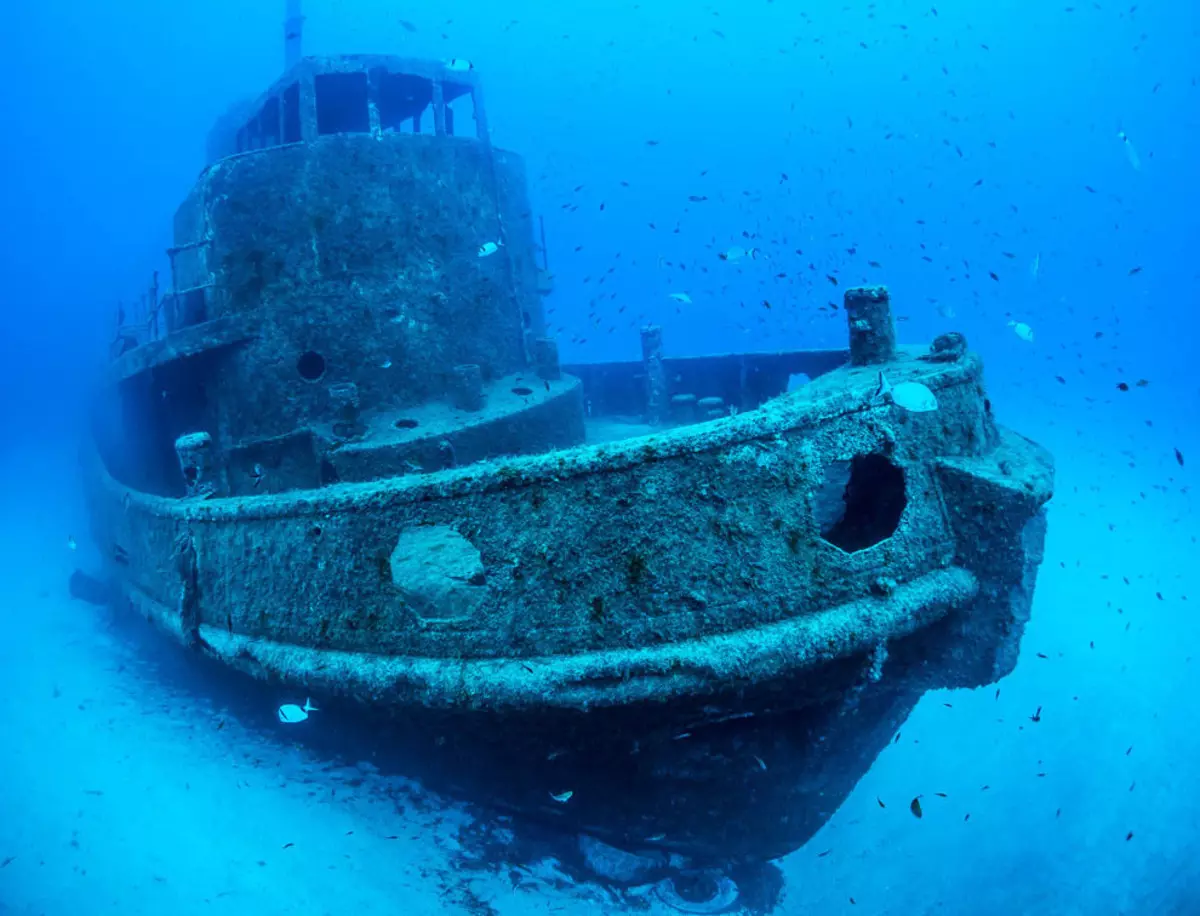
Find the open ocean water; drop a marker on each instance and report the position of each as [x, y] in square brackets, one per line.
[1023, 173]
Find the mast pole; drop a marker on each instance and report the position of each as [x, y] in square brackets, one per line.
[293, 33]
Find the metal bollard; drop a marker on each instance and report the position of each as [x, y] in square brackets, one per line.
[872, 332]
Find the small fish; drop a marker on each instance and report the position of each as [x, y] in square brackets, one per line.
[386, 364]
[407, 26]
[1179, 457]
[915, 807]
[680, 297]
[458, 65]
[288, 845]
[1134, 271]
[7, 860]
[1037, 716]
[1022, 330]
[736, 254]
[290, 713]
[489, 248]
[1036, 266]
[1130, 152]
[71, 545]
[562, 797]
[883, 390]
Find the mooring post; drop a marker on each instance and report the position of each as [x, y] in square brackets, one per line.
[467, 385]
[347, 420]
[545, 359]
[872, 332]
[197, 463]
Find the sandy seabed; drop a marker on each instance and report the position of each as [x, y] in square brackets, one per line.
[120, 792]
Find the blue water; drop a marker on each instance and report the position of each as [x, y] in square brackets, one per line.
[944, 145]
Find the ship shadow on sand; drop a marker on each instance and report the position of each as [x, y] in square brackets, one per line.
[695, 817]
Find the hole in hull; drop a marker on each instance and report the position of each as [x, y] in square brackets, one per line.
[311, 366]
[860, 502]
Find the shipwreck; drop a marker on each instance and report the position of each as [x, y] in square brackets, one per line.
[341, 453]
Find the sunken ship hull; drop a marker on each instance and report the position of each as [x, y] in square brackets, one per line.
[350, 461]
[663, 568]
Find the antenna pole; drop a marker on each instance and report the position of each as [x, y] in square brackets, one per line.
[293, 33]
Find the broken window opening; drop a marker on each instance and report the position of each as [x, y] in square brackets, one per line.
[191, 307]
[860, 502]
[460, 110]
[403, 100]
[268, 123]
[342, 103]
[291, 114]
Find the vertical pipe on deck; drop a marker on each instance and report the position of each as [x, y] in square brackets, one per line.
[293, 34]
[374, 93]
[872, 330]
[154, 306]
[656, 375]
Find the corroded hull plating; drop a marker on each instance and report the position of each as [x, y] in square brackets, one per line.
[669, 567]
